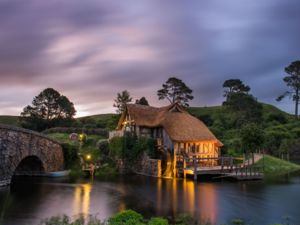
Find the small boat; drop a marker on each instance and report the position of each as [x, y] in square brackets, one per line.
[62, 173]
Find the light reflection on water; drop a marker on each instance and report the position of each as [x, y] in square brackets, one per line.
[33, 199]
[81, 202]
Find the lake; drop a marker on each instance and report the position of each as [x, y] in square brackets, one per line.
[29, 200]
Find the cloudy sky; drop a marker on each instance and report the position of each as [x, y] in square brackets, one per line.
[90, 50]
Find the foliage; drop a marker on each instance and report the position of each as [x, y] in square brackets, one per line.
[244, 108]
[131, 147]
[175, 90]
[279, 117]
[142, 101]
[274, 166]
[48, 109]
[106, 171]
[127, 217]
[252, 137]
[130, 217]
[240, 103]
[235, 86]
[122, 99]
[65, 220]
[292, 80]
[116, 147]
[151, 148]
[207, 119]
[70, 155]
[289, 146]
[103, 147]
[158, 221]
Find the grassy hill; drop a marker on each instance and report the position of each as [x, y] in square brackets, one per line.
[10, 120]
[109, 120]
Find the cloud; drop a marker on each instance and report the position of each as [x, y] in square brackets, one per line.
[91, 50]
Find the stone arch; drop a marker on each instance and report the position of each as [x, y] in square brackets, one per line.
[16, 144]
[30, 166]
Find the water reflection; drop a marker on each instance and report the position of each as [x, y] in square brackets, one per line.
[217, 202]
[174, 197]
[82, 198]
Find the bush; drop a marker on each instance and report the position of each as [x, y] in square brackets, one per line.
[70, 155]
[205, 118]
[136, 147]
[116, 147]
[158, 221]
[127, 217]
[279, 117]
[103, 147]
[106, 171]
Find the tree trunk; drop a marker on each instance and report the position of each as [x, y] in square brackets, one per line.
[296, 103]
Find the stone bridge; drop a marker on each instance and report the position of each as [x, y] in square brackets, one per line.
[25, 152]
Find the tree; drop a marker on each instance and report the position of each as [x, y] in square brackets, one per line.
[243, 106]
[48, 109]
[122, 99]
[235, 86]
[292, 80]
[175, 90]
[142, 101]
[252, 138]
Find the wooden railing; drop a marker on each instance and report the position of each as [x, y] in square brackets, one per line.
[223, 164]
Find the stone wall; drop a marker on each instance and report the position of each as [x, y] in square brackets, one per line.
[16, 144]
[143, 166]
[148, 167]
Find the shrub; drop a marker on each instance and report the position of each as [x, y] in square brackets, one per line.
[106, 171]
[158, 221]
[103, 147]
[206, 118]
[279, 117]
[127, 217]
[70, 155]
[116, 147]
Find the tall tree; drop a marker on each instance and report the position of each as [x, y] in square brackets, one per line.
[252, 137]
[175, 90]
[292, 80]
[242, 106]
[142, 101]
[235, 86]
[122, 99]
[48, 109]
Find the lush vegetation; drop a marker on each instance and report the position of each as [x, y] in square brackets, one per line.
[131, 147]
[275, 166]
[275, 127]
[48, 109]
[130, 217]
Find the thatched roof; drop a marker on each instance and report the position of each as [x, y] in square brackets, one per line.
[178, 123]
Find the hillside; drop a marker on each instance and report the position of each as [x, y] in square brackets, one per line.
[10, 120]
[109, 119]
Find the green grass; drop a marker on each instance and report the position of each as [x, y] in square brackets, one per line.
[274, 166]
[10, 120]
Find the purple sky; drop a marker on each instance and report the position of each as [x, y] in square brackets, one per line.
[90, 50]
